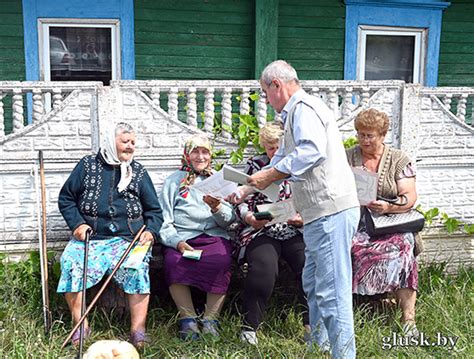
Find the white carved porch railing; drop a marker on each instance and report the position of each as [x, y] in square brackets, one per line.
[175, 97]
[193, 102]
[458, 100]
[45, 97]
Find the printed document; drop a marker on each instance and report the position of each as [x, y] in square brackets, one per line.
[216, 185]
[281, 211]
[366, 183]
[231, 174]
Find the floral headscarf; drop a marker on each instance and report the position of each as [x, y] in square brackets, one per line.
[192, 143]
[108, 151]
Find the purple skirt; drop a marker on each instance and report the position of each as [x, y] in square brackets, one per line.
[211, 273]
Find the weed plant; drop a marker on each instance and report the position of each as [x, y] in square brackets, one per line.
[444, 305]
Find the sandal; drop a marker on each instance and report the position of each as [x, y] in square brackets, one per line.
[188, 329]
[210, 326]
[139, 339]
[76, 337]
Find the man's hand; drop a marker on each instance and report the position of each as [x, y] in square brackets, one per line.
[145, 237]
[183, 246]
[296, 221]
[255, 223]
[262, 179]
[80, 232]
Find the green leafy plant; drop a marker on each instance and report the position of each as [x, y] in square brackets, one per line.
[244, 129]
[350, 142]
[245, 132]
[430, 214]
[469, 228]
[451, 224]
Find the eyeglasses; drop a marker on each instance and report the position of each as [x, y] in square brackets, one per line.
[368, 137]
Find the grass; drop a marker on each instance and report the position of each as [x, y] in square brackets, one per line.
[445, 306]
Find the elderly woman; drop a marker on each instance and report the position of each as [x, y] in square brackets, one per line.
[262, 246]
[112, 195]
[386, 263]
[194, 222]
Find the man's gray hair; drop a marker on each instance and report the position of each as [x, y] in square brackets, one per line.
[123, 127]
[279, 69]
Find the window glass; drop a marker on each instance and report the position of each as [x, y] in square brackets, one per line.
[80, 54]
[389, 57]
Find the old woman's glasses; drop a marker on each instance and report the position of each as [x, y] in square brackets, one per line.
[364, 136]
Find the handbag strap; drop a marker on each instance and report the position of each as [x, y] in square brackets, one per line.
[394, 201]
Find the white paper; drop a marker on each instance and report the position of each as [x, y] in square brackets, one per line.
[194, 254]
[366, 183]
[281, 211]
[136, 256]
[216, 186]
[231, 174]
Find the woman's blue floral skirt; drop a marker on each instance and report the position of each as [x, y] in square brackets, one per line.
[103, 256]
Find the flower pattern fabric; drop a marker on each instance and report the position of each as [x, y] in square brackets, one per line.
[103, 257]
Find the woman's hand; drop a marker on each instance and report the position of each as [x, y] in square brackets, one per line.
[145, 237]
[296, 221]
[240, 194]
[255, 223]
[379, 206]
[80, 232]
[183, 246]
[213, 202]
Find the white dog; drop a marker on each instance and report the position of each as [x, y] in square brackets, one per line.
[111, 349]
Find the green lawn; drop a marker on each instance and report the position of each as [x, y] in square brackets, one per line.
[444, 311]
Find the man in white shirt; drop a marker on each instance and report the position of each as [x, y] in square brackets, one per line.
[312, 155]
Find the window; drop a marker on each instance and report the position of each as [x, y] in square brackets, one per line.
[85, 50]
[393, 39]
[389, 53]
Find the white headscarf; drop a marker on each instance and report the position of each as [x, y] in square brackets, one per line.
[108, 151]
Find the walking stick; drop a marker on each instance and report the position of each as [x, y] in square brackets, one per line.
[43, 250]
[99, 293]
[84, 289]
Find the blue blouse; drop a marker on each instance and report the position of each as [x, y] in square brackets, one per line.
[187, 218]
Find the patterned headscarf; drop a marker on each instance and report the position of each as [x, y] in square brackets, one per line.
[192, 143]
[108, 151]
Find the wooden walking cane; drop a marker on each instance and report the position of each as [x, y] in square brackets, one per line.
[84, 289]
[43, 250]
[101, 290]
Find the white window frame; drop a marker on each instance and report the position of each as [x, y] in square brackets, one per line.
[43, 41]
[419, 53]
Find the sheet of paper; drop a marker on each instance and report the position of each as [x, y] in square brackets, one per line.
[231, 174]
[195, 254]
[216, 185]
[281, 211]
[136, 256]
[366, 183]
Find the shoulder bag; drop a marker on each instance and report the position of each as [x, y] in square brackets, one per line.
[389, 223]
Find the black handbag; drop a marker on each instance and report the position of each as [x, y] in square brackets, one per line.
[379, 224]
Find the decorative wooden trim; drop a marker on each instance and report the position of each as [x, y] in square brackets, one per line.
[266, 34]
